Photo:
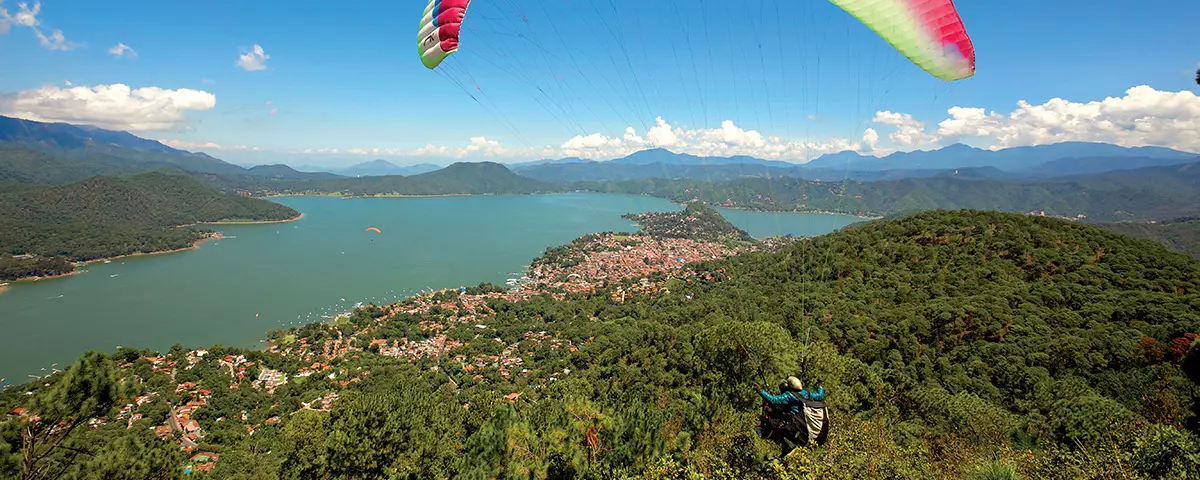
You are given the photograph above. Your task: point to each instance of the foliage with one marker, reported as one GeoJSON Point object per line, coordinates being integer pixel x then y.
{"type": "Point", "coordinates": [461, 178]}
{"type": "Point", "coordinates": [106, 216]}
{"type": "Point", "coordinates": [1142, 194]}
{"type": "Point", "coordinates": [696, 221]}
{"type": "Point", "coordinates": [1180, 236]}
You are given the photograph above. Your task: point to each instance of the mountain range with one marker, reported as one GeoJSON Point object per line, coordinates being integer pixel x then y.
{"type": "Point", "coordinates": [380, 167]}
{"type": "Point", "coordinates": [1027, 163]}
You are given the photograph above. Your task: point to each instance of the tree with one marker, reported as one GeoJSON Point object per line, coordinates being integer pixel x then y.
{"type": "Point", "coordinates": [89, 389]}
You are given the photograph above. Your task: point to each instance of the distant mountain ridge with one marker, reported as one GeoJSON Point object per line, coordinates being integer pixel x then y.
{"type": "Point", "coordinates": [93, 144]}
{"type": "Point", "coordinates": [1041, 161]}
{"type": "Point", "coordinates": [380, 167]}
{"type": "Point", "coordinates": [1010, 159]}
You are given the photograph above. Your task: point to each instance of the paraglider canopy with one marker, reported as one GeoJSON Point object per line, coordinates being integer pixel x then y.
{"type": "Point", "coordinates": [373, 229]}
{"type": "Point", "coordinates": [928, 32]}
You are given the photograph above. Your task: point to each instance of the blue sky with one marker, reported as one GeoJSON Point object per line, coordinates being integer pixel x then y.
{"type": "Point", "coordinates": [786, 80]}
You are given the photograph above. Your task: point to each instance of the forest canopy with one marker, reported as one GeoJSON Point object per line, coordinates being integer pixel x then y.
{"type": "Point", "coordinates": [110, 216]}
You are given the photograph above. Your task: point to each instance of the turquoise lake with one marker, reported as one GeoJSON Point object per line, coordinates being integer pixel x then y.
{"type": "Point", "coordinates": [262, 277]}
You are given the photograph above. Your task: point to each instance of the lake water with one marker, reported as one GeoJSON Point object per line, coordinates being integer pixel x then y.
{"type": "Point", "coordinates": [231, 291]}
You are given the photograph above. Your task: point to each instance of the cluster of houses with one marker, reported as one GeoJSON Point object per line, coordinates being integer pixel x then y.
{"type": "Point", "coordinates": [270, 380]}
{"type": "Point", "coordinates": [612, 258]}
{"type": "Point", "coordinates": [1042, 213]}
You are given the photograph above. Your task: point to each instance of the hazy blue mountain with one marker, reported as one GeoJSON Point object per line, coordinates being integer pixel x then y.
{"type": "Point", "coordinates": [93, 144]}
{"type": "Point", "coordinates": [516, 167]}
{"type": "Point", "coordinates": [1084, 165]}
{"type": "Point", "coordinates": [667, 157]}
{"type": "Point", "coordinates": [1011, 159]}
{"type": "Point", "coordinates": [284, 171]}
{"type": "Point", "coordinates": [376, 168]}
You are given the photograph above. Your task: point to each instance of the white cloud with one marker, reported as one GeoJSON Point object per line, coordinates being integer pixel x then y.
{"type": "Point", "coordinates": [661, 134]}
{"type": "Point", "coordinates": [253, 60]}
{"type": "Point", "coordinates": [727, 140]}
{"type": "Point", "coordinates": [870, 139]}
{"type": "Point", "coordinates": [116, 106]}
{"type": "Point", "coordinates": [26, 17]}
{"type": "Point", "coordinates": [909, 132]}
{"type": "Point", "coordinates": [122, 49]}
{"type": "Point", "coordinates": [189, 145]}
{"type": "Point", "coordinates": [1143, 116]}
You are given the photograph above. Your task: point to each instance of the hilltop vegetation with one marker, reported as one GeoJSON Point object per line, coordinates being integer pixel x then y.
{"type": "Point", "coordinates": [1143, 194]}
{"type": "Point", "coordinates": [110, 216]}
{"type": "Point", "coordinates": [950, 343]}
{"type": "Point", "coordinates": [91, 145]}
{"type": "Point", "coordinates": [463, 178]}
{"type": "Point", "coordinates": [1182, 236]}
{"type": "Point", "coordinates": [696, 221]}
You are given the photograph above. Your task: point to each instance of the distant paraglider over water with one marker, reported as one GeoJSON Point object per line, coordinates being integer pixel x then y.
{"type": "Point", "coordinates": [373, 229]}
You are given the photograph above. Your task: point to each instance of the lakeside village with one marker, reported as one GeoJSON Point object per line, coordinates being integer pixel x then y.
{"type": "Point", "coordinates": [181, 385]}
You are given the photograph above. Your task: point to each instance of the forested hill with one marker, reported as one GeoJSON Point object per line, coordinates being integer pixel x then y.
{"type": "Point", "coordinates": [91, 145]}
{"type": "Point", "coordinates": [951, 345]}
{"type": "Point", "coordinates": [462, 178]}
{"type": "Point", "coordinates": [110, 216]}
{"type": "Point", "coordinates": [1181, 236]}
{"type": "Point", "coordinates": [1151, 193]}
{"type": "Point", "coordinates": [696, 221]}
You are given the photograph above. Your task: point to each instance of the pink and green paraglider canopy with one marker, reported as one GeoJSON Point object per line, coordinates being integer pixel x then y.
{"type": "Point", "coordinates": [928, 32]}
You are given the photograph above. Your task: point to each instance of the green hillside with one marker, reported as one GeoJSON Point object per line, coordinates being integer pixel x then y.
{"type": "Point", "coordinates": [1181, 236]}
{"type": "Point", "coordinates": [109, 216]}
{"type": "Point", "coordinates": [1143, 194]}
{"type": "Point", "coordinates": [951, 345]}
{"type": "Point", "coordinates": [463, 178]}
{"type": "Point", "coordinates": [695, 221]}
{"type": "Point", "coordinates": [95, 145]}
{"type": "Point", "coordinates": [22, 164]}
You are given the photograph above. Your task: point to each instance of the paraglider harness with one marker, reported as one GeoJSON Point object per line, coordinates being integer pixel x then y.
{"type": "Point", "coordinates": [810, 425]}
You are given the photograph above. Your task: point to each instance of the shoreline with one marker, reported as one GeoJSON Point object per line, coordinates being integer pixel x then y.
{"type": "Point", "coordinates": [195, 243]}
{"type": "Point", "coordinates": [76, 271]}
{"type": "Point", "coordinates": [250, 222]}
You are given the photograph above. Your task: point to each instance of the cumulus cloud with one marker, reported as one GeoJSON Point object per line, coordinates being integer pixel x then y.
{"type": "Point", "coordinates": [26, 17]}
{"type": "Point", "coordinates": [121, 50]}
{"type": "Point", "coordinates": [254, 60]}
{"type": "Point", "coordinates": [870, 139]}
{"type": "Point", "coordinates": [1143, 116]}
{"type": "Point", "coordinates": [727, 140]}
{"type": "Point", "coordinates": [116, 106]}
{"type": "Point", "coordinates": [909, 131]}
{"type": "Point", "coordinates": [190, 145]}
